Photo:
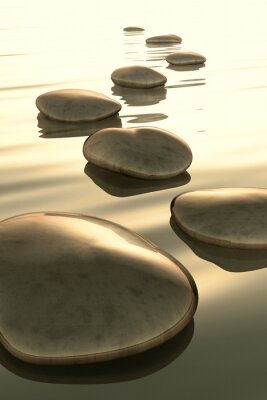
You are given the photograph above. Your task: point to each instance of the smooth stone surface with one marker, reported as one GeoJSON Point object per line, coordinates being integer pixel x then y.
{"type": "Point", "coordinates": [124, 369]}
{"type": "Point", "coordinates": [78, 289]}
{"type": "Point", "coordinates": [144, 152]}
{"type": "Point", "coordinates": [185, 58]}
{"type": "Point", "coordinates": [233, 217]}
{"type": "Point", "coordinates": [121, 185]}
{"type": "Point", "coordinates": [137, 76]}
{"type": "Point", "coordinates": [133, 29]}
{"type": "Point", "coordinates": [75, 105]}
{"type": "Point", "coordinates": [51, 129]}
{"type": "Point", "coordinates": [164, 39]}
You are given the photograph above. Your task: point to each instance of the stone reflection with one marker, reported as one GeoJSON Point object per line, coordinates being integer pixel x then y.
{"type": "Point", "coordinates": [230, 259]}
{"type": "Point", "coordinates": [50, 129]}
{"type": "Point", "coordinates": [140, 97]}
{"type": "Point", "coordinates": [184, 68]}
{"type": "Point", "coordinates": [125, 369]}
{"type": "Point", "coordinates": [145, 118]}
{"type": "Point", "coordinates": [120, 185]}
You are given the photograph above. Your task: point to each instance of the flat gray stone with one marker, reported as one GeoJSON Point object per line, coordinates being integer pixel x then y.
{"type": "Point", "coordinates": [144, 152]}
{"type": "Point", "coordinates": [78, 289]}
{"type": "Point", "coordinates": [75, 105]}
{"type": "Point", "coordinates": [185, 58]}
{"type": "Point", "coordinates": [235, 217]}
{"type": "Point", "coordinates": [137, 76]}
{"type": "Point", "coordinates": [133, 29]}
{"type": "Point", "coordinates": [164, 39]}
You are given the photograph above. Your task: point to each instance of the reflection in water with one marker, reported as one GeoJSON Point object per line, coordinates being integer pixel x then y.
{"type": "Point", "coordinates": [140, 97]}
{"type": "Point", "coordinates": [185, 67]}
{"type": "Point", "coordinates": [162, 46]}
{"type": "Point", "coordinates": [232, 260]}
{"type": "Point", "coordinates": [56, 129]}
{"type": "Point", "coordinates": [120, 185]}
{"type": "Point", "coordinates": [125, 369]}
{"type": "Point", "coordinates": [144, 118]}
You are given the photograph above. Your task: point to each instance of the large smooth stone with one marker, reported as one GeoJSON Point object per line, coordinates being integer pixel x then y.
{"type": "Point", "coordinates": [164, 39]}
{"type": "Point", "coordinates": [137, 76]}
{"type": "Point", "coordinates": [78, 289]}
{"type": "Point", "coordinates": [185, 58]}
{"type": "Point", "coordinates": [133, 29]}
{"type": "Point", "coordinates": [73, 105]}
{"type": "Point", "coordinates": [235, 217]}
{"type": "Point", "coordinates": [145, 152]}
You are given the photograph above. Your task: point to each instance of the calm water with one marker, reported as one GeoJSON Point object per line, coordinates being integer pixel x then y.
{"type": "Point", "coordinates": [220, 110]}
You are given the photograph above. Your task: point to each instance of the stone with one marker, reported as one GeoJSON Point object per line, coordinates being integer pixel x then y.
{"type": "Point", "coordinates": [232, 217]}
{"type": "Point", "coordinates": [144, 152]}
{"type": "Point", "coordinates": [137, 76]}
{"type": "Point", "coordinates": [76, 289]}
{"type": "Point", "coordinates": [133, 29]}
{"type": "Point", "coordinates": [75, 105]}
{"type": "Point", "coordinates": [185, 58]}
{"type": "Point", "coordinates": [164, 39]}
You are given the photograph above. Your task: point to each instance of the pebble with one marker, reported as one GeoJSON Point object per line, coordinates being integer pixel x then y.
{"type": "Point", "coordinates": [76, 105]}
{"type": "Point", "coordinates": [144, 152]}
{"type": "Point", "coordinates": [232, 217]}
{"type": "Point", "coordinates": [164, 39]}
{"type": "Point", "coordinates": [185, 58]}
{"type": "Point", "coordinates": [78, 289]}
{"type": "Point", "coordinates": [137, 76]}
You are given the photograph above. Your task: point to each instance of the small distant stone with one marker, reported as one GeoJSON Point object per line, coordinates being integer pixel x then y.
{"type": "Point", "coordinates": [164, 39]}
{"type": "Point", "coordinates": [74, 105]}
{"type": "Point", "coordinates": [76, 289]}
{"type": "Point", "coordinates": [133, 29]}
{"type": "Point", "coordinates": [138, 77]}
{"type": "Point", "coordinates": [145, 152]}
{"type": "Point", "coordinates": [185, 58]}
{"type": "Point", "coordinates": [234, 217]}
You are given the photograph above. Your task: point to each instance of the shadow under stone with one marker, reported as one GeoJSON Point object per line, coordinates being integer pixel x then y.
{"type": "Point", "coordinates": [231, 260]}
{"type": "Point", "coordinates": [125, 369]}
{"type": "Point", "coordinates": [140, 97]}
{"type": "Point", "coordinates": [185, 67]}
{"type": "Point", "coordinates": [120, 185]}
{"type": "Point", "coordinates": [51, 129]}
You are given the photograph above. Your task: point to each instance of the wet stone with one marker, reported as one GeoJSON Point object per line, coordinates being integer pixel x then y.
{"type": "Point", "coordinates": [185, 58]}
{"type": "Point", "coordinates": [233, 217]}
{"type": "Point", "coordinates": [164, 39]}
{"type": "Point", "coordinates": [144, 152]}
{"type": "Point", "coordinates": [77, 289]}
{"type": "Point", "coordinates": [137, 76]}
{"type": "Point", "coordinates": [75, 105]}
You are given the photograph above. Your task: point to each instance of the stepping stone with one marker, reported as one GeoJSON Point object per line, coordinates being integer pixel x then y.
{"type": "Point", "coordinates": [145, 152]}
{"type": "Point", "coordinates": [77, 289]}
{"type": "Point", "coordinates": [164, 39]}
{"type": "Point", "coordinates": [73, 105]}
{"type": "Point", "coordinates": [185, 58]}
{"type": "Point", "coordinates": [133, 29]}
{"type": "Point", "coordinates": [235, 217]}
{"type": "Point", "coordinates": [137, 76]}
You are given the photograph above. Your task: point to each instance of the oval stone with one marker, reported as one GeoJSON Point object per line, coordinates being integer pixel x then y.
{"type": "Point", "coordinates": [137, 76]}
{"type": "Point", "coordinates": [75, 105]}
{"type": "Point", "coordinates": [145, 152]}
{"type": "Point", "coordinates": [185, 58]}
{"type": "Point", "coordinates": [233, 217]}
{"type": "Point", "coordinates": [78, 289]}
{"type": "Point", "coordinates": [164, 39]}
{"type": "Point", "coordinates": [133, 29]}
